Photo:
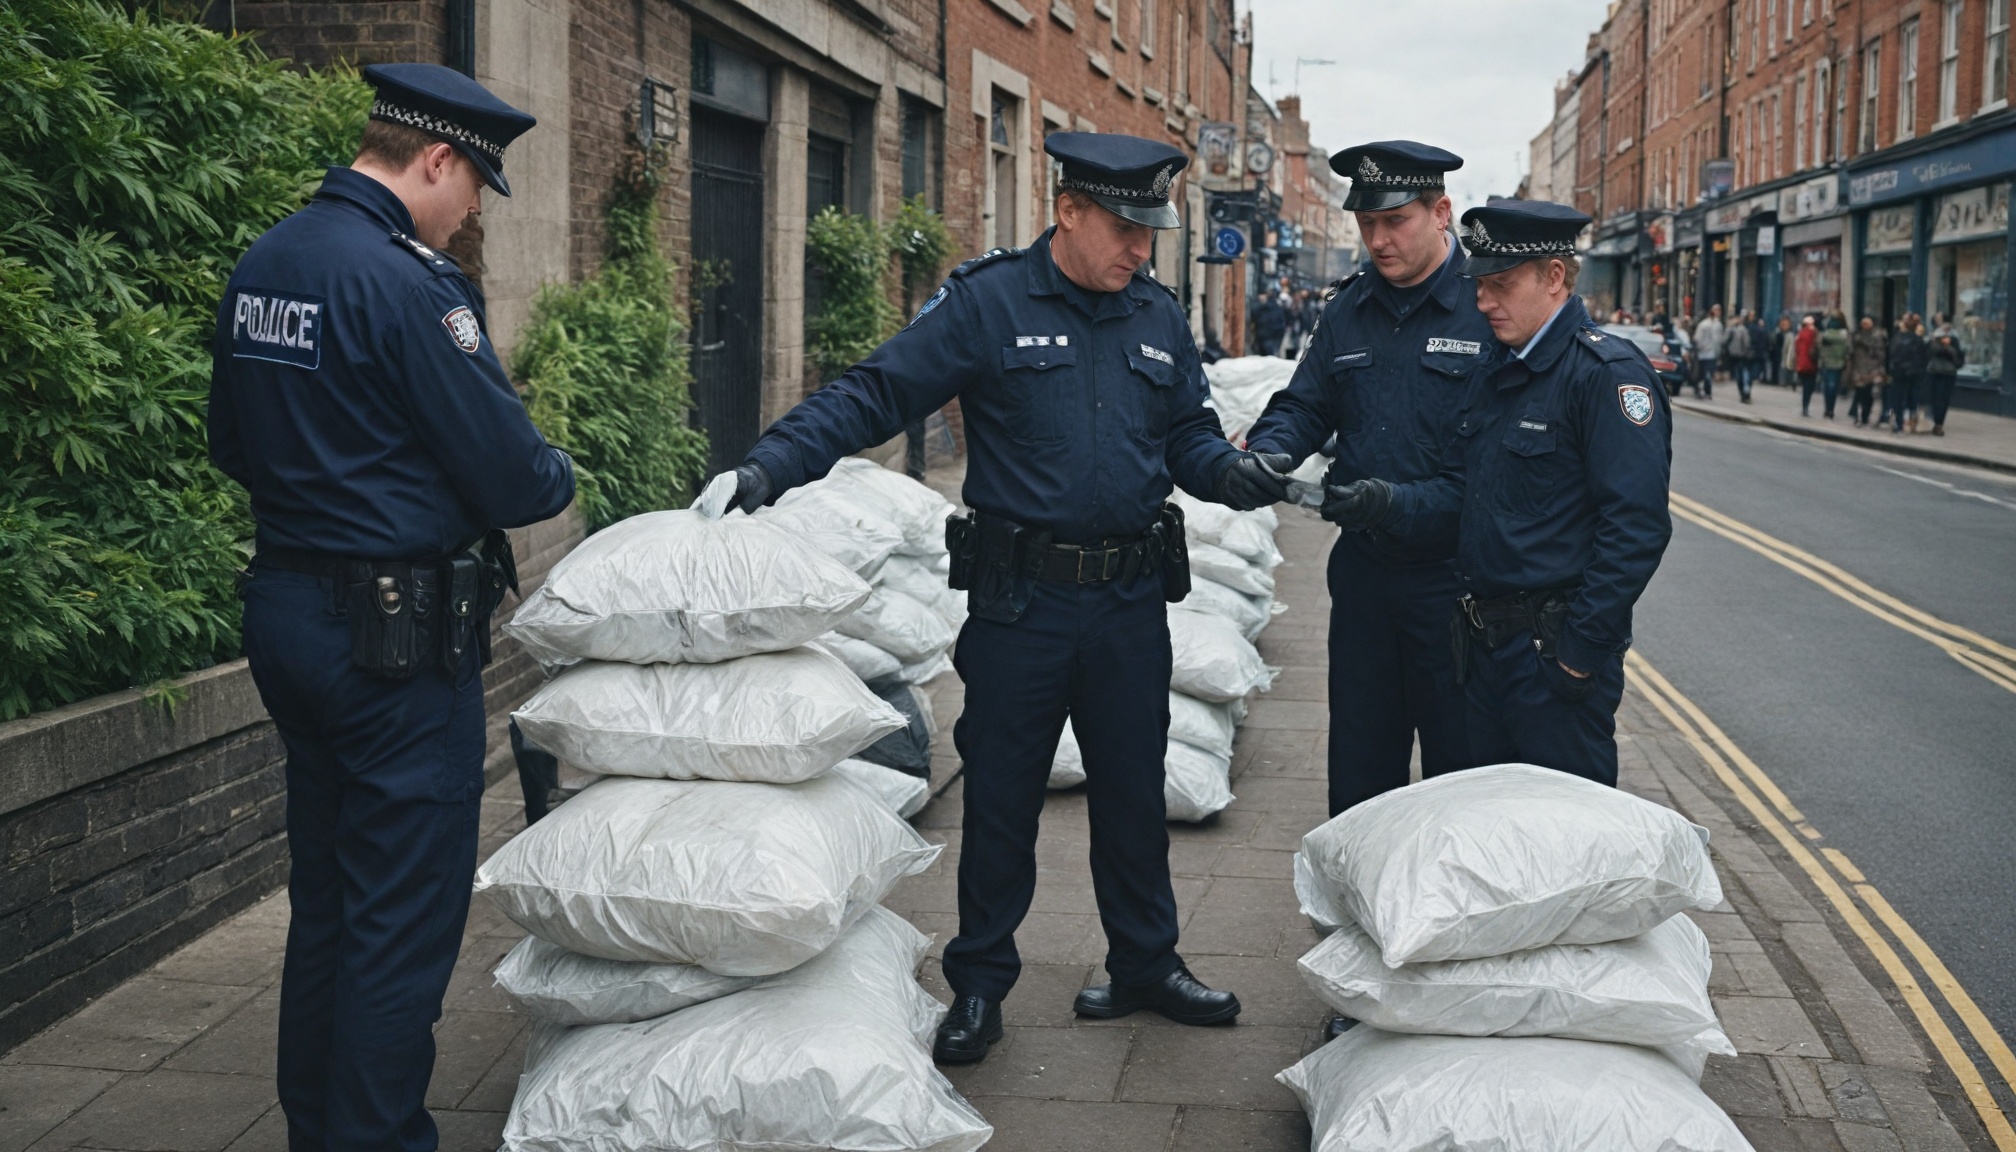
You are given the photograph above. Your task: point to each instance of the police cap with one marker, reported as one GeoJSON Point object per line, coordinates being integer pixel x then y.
{"type": "Point", "coordinates": [443, 102]}
{"type": "Point", "coordinates": [1389, 173]}
{"type": "Point", "coordinates": [1507, 233]}
{"type": "Point", "coordinates": [1127, 175]}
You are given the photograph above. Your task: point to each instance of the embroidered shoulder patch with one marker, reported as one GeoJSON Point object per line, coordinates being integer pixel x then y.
{"type": "Point", "coordinates": [936, 299]}
{"type": "Point", "coordinates": [1636, 400]}
{"type": "Point", "coordinates": [461, 324]}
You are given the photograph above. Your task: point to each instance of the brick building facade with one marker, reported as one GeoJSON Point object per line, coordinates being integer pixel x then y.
{"type": "Point", "coordinates": [1804, 156]}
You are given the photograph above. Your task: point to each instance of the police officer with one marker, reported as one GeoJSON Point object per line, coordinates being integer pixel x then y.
{"type": "Point", "coordinates": [1386, 374]}
{"type": "Point", "coordinates": [1559, 477]}
{"type": "Point", "coordinates": [1083, 398]}
{"type": "Point", "coordinates": [356, 396]}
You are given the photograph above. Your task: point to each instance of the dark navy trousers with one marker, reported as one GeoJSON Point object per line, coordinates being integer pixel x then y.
{"type": "Point", "coordinates": [1392, 674]}
{"type": "Point", "coordinates": [1099, 653]}
{"type": "Point", "coordinates": [384, 783]}
{"type": "Point", "coordinates": [1524, 709]}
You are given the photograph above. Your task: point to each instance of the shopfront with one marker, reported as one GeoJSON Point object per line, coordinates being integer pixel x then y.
{"type": "Point", "coordinates": [1689, 240]}
{"type": "Point", "coordinates": [1810, 227]}
{"type": "Point", "coordinates": [1932, 235]}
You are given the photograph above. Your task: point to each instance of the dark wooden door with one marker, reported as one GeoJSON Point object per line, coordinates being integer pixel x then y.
{"type": "Point", "coordinates": [727, 283]}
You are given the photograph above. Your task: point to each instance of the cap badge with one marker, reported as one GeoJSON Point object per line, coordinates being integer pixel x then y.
{"type": "Point", "coordinates": [1367, 170]}
{"type": "Point", "coordinates": [1478, 236]}
{"type": "Point", "coordinates": [1160, 189]}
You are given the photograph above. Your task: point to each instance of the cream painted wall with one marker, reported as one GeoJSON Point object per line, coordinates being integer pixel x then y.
{"type": "Point", "coordinates": [522, 56]}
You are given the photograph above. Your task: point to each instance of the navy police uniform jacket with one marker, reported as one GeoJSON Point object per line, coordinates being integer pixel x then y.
{"type": "Point", "coordinates": [1080, 407]}
{"type": "Point", "coordinates": [1560, 469]}
{"type": "Point", "coordinates": [356, 396]}
{"type": "Point", "coordinates": [1387, 373]}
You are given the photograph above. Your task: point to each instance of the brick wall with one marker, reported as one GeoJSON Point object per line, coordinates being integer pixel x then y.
{"type": "Point", "coordinates": [125, 831]}
{"type": "Point", "coordinates": [319, 34]}
{"type": "Point", "coordinates": [612, 46]}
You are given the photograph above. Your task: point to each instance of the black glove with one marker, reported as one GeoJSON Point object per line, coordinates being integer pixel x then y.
{"type": "Point", "coordinates": [753, 488]}
{"type": "Point", "coordinates": [1359, 505]}
{"type": "Point", "coordinates": [1254, 480]}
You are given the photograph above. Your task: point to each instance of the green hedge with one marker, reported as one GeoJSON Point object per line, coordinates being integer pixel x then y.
{"type": "Point", "coordinates": [138, 159]}
{"type": "Point", "coordinates": [855, 313]}
{"type": "Point", "coordinates": [603, 364]}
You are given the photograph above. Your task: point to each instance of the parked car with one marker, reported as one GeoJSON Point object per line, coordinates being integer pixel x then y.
{"type": "Point", "coordinates": [1672, 371]}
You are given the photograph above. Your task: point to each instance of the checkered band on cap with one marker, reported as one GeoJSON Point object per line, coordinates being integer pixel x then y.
{"type": "Point", "coordinates": [396, 114]}
{"type": "Point", "coordinates": [1480, 243]}
{"type": "Point", "coordinates": [1156, 194]}
{"type": "Point", "coordinates": [1373, 176]}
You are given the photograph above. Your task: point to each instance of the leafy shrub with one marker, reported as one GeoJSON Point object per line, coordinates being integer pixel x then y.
{"type": "Point", "coordinates": [603, 363]}
{"type": "Point", "coordinates": [855, 313]}
{"type": "Point", "coordinates": [139, 157]}
{"type": "Point", "coordinates": [922, 244]}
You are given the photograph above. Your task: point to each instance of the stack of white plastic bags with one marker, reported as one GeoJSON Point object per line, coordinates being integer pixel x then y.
{"type": "Point", "coordinates": [1215, 665]}
{"type": "Point", "coordinates": [708, 965]}
{"type": "Point", "coordinates": [1513, 941]}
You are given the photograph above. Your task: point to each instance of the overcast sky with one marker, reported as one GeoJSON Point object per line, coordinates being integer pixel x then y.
{"type": "Point", "coordinates": [1473, 76]}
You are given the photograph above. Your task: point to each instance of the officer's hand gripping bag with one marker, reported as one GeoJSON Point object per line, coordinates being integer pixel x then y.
{"type": "Point", "coordinates": [742, 879]}
{"type": "Point", "coordinates": [1376, 1091]}
{"type": "Point", "coordinates": [561, 987]}
{"type": "Point", "coordinates": [676, 587]}
{"type": "Point", "coordinates": [772, 718]}
{"type": "Point", "coordinates": [1650, 990]}
{"type": "Point", "coordinates": [1498, 859]}
{"type": "Point", "coordinates": [831, 1055]}
{"type": "Point", "coordinates": [1211, 660]}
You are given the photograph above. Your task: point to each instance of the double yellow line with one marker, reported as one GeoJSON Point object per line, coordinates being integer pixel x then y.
{"type": "Point", "coordinates": [1830, 869]}
{"type": "Point", "coordinates": [1992, 660]}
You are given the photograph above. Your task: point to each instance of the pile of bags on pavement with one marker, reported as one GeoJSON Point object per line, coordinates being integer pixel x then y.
{"type": "Point", "coordinates": [1215, 665]}
{"type": "Point", "coordinates": [1512, 940]}
{"type": "Point", "coordinates": [1241, 387]}
{"type": "Point", "coordinates": [708, 964]}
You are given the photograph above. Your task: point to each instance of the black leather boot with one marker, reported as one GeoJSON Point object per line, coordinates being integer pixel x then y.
{"type": "Point", "coordinates": [1178, 996]}
{"type": "Point", "coordinates": [968, 1030]}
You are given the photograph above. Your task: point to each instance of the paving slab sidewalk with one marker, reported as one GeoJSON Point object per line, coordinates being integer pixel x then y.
{"type": "Point", "coordinates": [1974, 438]}
{"type": "Point", "coordinates": [180, 1058]}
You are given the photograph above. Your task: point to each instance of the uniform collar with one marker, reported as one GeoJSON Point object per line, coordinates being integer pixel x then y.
{"type": "Point", "coordinates": [1443, 284]}
{"type": "Point", "coordinates": [1046, 279]}
{"type": "Point", "coordinates": [1554, 336]}
{"type": "Point", "coordinates": [377, 201]}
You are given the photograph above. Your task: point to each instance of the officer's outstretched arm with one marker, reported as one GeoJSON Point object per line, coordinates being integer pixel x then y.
{"type": "Point", "coordinates": [913, 374]}
{"type": "Point", "coordinates": [465, 411]}
{"type": "Point", "coordinates": [1196, 451]}
{"type": "Point", "coordinates": [1627, 432]}
{"type": "Point", "coordinates": [227, 448]}
{"type": "Point", "coordinates": [1299, 418]}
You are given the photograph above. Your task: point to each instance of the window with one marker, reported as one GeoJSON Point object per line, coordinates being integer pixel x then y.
{"type": "Point", "coordinates": [1771, 26]}
{"type": "Point", "coordinates": [1776, 127]}
{"type": "Point", "coordinates": [1799, 123]}
{"type": "Point", "coordinates": [1148, 28]}
{"type": "Point", "coordinates": [1820, 79]}
{"type": "Point", "coordinates": [1805, 13]}
{"type": "Point", "coordinates": [919, 132]}
{"type": "Point", "coordinates": [1002, 128]}
{"type": "Point", "coordinates": [1995, 60]}
{"type": "Point", "coordinates": [1872, 87]}
{"type": "Point", "coordinates": [1907, 80]}
{"type": "Point", "coordinates": [1754, 5]}
{"type": "Point", "coordinates": [1182, 84]}
{"type": "Point", "coordinates": [1949, 61]}
{"type": "Point", "coordinates": [1840, 149]}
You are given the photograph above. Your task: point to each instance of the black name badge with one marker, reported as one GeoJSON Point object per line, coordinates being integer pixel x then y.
{"type": "Point", "coordinates": [277, 326]}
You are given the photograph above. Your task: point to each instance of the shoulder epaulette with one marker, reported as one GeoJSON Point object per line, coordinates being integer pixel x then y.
{"type": "Point", "coordinates": [1338, 285]}
{"type": "Point", "coordinates": [986, 258]}
{"type": "Point", "coordinates": [1607, 345]}
{"type": "Point", "coordinates": [437, 261]}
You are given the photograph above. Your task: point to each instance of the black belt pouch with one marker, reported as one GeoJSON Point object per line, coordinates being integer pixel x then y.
{"type": "Point", "coordinates": [459, 616]}
{"type": "Point", "coordinates": [1174, 561]}
{"type": "Point", "coordinates": [391, 615]}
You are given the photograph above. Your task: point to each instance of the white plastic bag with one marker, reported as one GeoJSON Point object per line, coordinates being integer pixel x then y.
{"type": "Point", "coordinates": [1250, 614]}
{"type": "Point", "coordinates": [743, 879]}
{"type": "Point", "coordinates": [914, 576]}
{"type": "Point", "coordinates": [1067, 770]}
{"type": "Point", "coordinates": [1211, 660]}
{"type": "Point", "coordinates": [1241, 387]}
{"type": "Point", "coordinates": [561, 987]}
{"type": "Point", "coordinates": [900, 625]}
{"type": "Point", "coordinates": [915, 508]}
{"type": "Point", "coordinates": [1196, 784]}
{"type": "Point", "coordinates": [1201, 724]}
{"type": "Point", "coordinates": [1247, 535]}
{"type": "Point", "coordinates": [1499, 859]}
{"type": "Point", "coordinates": [862, 658]}
{"type": "Point", "coordinates": [850, 531]}
{"type": "Point", "coordinates": [774, 718]}
{"type": "Point", "coordinates": [1650, 990]}
{"type": "Point", "coordinates": [905, 794]}
{"type": "Point", "coordinates": [927, 670]}
{"type": "Point", "coordinates": [677, 587]}
{"type": "Point", "coordinates": [831, 1055]}
{"type": "Point", "coordinates": [1374, 1091]}
{"type": "Point", "coordinates": [1214, 563]}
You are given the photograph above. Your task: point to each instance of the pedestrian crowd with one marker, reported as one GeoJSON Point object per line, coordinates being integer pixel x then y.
{"type": "Point", "coordinates": [1889, 374]}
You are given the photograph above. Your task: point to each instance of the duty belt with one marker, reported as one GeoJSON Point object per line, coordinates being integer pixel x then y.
{"type": "Point", "coordinates": [1090, 563]}
{"type": "Point", "coordinates": [1500, 618]}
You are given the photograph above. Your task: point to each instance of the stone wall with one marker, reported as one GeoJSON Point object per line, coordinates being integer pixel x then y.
{"type": "Point", "coordinates": [127, 830]}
